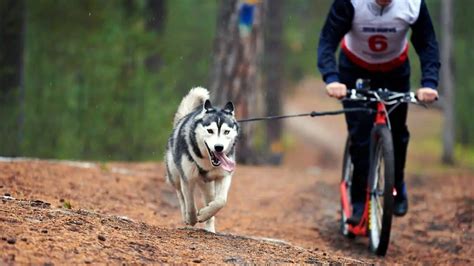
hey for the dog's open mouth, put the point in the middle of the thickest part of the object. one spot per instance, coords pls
(214, 161)
(220, 159)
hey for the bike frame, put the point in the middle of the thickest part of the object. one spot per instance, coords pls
(361, 228)
(381, 118)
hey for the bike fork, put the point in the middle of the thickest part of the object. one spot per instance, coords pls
(361, 228)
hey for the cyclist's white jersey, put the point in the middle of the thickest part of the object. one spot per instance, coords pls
(378, 37)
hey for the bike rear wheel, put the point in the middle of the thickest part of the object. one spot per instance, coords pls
(381, 181)
(346, 183)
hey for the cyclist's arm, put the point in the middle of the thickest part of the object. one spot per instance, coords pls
(338, 23)
(423, 39)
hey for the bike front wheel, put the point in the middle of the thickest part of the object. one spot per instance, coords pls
(381, 181)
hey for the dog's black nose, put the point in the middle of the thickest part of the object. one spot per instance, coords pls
(218, 148)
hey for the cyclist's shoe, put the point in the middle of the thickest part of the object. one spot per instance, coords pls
(357, 212)
(400, 207)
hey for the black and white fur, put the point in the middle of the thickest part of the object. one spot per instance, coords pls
(201, 152)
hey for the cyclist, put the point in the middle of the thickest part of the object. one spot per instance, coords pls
(375, 47)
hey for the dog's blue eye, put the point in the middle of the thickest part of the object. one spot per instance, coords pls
(226, 132)
(210, 131)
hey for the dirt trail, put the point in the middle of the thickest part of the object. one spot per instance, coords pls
(124, 212)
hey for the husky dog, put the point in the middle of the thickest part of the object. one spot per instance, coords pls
(201, 152)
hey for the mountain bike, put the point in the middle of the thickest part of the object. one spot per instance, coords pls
(377, 216)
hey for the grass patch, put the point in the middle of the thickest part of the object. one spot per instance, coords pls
(464, 156)
(424, 157)
(67, 205)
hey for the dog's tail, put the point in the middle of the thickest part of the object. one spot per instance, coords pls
(195, 97)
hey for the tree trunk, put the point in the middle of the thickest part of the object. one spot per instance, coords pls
(235, 70)
(447, 79)
(12, 30)
(156, 14)
(273, 73)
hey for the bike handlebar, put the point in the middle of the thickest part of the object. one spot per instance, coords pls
(381, 95)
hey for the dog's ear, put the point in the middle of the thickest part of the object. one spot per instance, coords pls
(207, 106)
(229, 108)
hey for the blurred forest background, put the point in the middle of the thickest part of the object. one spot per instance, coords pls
(101, 80)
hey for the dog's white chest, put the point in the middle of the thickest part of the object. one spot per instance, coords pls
(214, 174)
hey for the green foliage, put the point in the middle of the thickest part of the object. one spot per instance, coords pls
(89, 94)
(11, 42)
(9, 126)
(303, 20)
(464, 80)
(463, 58)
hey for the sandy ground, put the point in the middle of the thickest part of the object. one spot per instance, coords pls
(57, 212)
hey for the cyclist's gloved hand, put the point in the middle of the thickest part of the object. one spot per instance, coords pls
(336, 90)
(427, 95)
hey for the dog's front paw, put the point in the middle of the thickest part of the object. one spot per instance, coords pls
(203, 215)
(201, 218)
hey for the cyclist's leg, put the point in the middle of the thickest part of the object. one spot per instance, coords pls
(359, 125)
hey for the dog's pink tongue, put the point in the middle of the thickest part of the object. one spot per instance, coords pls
(226, 163)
